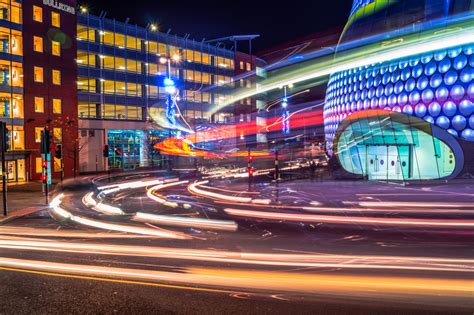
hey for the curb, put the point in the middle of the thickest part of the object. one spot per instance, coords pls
(20, 213)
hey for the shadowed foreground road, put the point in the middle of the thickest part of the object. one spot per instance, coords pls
(41, 294)
(155, 244)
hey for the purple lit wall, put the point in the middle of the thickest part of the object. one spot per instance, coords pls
(437, 87)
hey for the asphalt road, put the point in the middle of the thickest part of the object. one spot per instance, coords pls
(214, 247)
(39, 294)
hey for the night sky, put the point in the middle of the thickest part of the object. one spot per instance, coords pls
(276, 23)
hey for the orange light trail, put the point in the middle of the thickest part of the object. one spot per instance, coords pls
(351, 220)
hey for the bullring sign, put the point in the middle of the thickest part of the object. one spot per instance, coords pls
(60, 6)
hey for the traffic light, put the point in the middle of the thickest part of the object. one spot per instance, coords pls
(44, 175)
(45, 146)
(249, 165)
(106, 151)
(58, 151)
(6, 138)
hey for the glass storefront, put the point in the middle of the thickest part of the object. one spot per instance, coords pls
(126, 148)
(384, 145)
(16, 170)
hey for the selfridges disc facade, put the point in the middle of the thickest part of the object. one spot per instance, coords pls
(435, 90)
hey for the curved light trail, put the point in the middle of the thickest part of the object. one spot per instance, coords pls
(460, 33)
(57, 210)
(295, 217)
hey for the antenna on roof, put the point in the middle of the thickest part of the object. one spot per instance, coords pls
(169, 31)
(127, 20)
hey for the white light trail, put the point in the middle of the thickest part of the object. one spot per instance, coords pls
(351, 220)
(56, 209)
(417, 46)
(187, 222)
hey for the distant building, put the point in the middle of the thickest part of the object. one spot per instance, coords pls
(122, 95)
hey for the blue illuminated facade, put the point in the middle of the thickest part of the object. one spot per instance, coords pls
(436, 88)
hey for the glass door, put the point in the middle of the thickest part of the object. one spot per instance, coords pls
(376, 162)
(388, 162)
(11, 171)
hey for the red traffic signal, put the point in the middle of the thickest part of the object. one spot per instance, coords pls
(250, 171)
(44, 164)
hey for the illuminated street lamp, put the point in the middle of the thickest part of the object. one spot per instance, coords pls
(170, 87)
(176, 58)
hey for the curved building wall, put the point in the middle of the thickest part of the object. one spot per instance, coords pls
(437, 87)
(385, 145)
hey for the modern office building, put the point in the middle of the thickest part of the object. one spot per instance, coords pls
(37, 84)
(409, 118)
(123, 70)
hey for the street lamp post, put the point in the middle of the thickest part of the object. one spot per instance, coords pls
(285, 128)
(170, 88)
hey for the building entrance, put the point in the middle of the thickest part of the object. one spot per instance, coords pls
(388, 162)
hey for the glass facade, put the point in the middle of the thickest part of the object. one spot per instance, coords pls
(121, 74)
(118, 59)
(127, 148)
(388, 146)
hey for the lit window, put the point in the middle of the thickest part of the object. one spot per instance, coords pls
(39, 74)
(38, 44)
(57, 106)
(56, 48)
(249, 67)
(39, 164)
(241, 65)
(57, 135)
(38, 131)
(56, 77)
(57, 165)
(37, 14)
(55, 19)
(39, 104)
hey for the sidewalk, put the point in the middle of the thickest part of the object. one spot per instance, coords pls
(22, 199)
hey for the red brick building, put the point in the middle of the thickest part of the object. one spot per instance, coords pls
(50, 90)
